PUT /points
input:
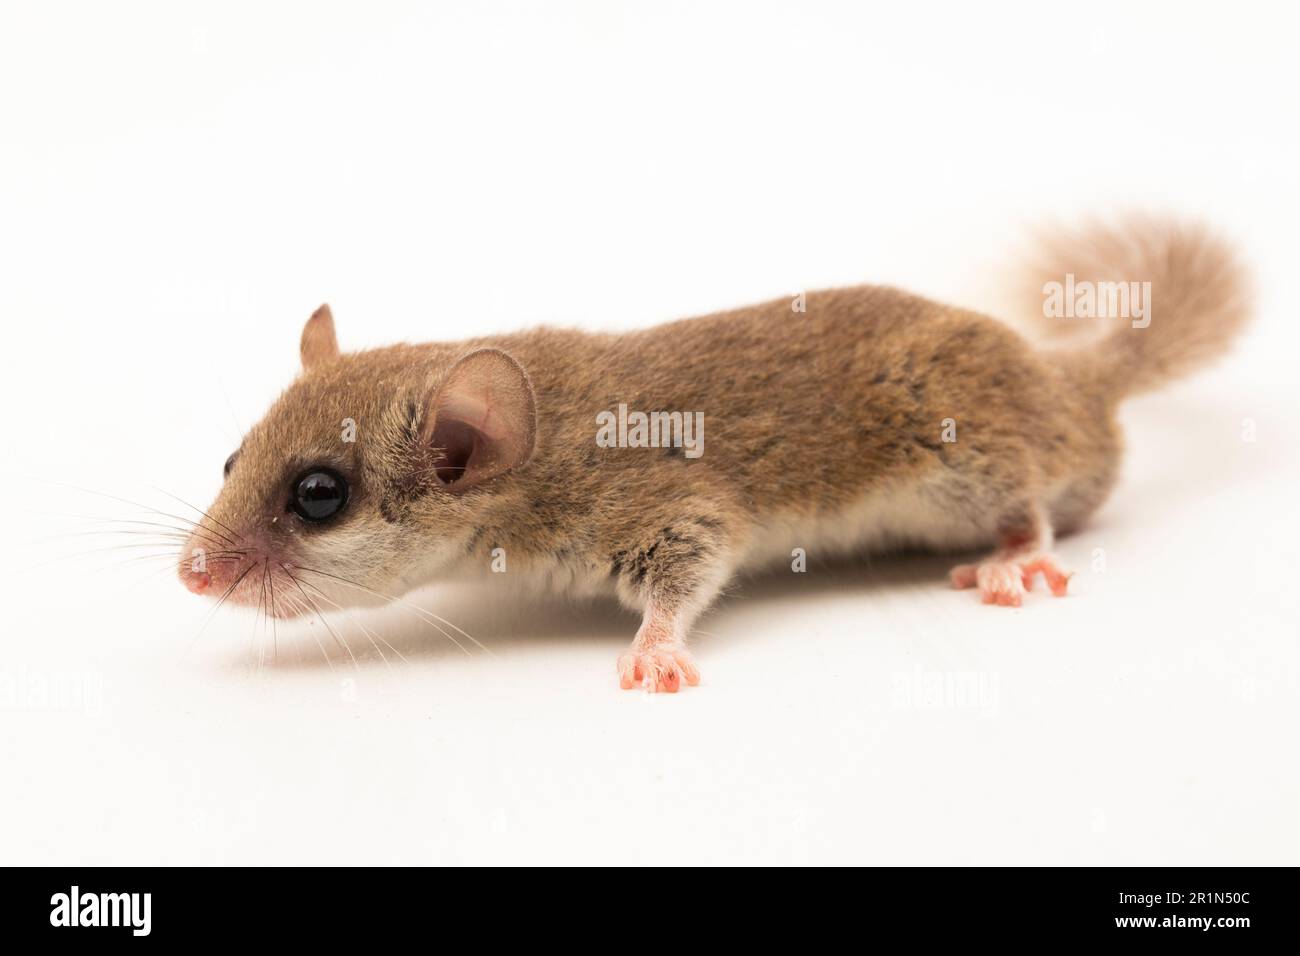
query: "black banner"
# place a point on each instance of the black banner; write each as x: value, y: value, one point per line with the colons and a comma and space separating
x: 138, y: 907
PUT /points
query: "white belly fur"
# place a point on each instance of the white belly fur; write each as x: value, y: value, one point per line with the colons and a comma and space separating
x: 912, y: 516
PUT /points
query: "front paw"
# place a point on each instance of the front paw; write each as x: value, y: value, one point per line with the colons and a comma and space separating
x: 661, y: 667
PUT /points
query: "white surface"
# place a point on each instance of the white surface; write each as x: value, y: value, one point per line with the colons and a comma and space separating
x: 179, y: 190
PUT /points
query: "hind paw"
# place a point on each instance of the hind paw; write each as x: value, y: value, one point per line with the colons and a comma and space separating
x: 1004, y: 580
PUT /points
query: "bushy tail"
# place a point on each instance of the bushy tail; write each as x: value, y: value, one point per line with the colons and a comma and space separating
x: 1197, y: 300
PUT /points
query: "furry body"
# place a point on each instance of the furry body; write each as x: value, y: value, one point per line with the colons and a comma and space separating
x: 872, y: 420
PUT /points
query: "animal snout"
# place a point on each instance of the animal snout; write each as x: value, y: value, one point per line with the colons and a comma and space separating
x: 196, y: 580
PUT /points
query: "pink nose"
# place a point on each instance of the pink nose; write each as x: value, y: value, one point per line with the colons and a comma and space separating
x: 196, y: 581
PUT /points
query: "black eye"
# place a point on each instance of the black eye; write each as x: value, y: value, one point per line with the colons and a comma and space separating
x: 319, y: 494
x: 230, y: 463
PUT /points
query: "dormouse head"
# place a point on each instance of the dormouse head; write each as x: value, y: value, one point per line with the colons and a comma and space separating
x: 368, y: 475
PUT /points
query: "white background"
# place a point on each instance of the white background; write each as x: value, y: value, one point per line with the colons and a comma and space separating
x: 180, y: 185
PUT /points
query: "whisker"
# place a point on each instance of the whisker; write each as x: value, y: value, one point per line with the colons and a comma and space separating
x: 216, y: 607
x: 365, y: 630
x: 169, y: 536
x: 301, y: 607
x: 128, y: 501
x: 261, y: 610
x: 134, y: 546
x: 169, y: 554
x: 198, y: 509
x: 428, y: 616
x: 275, y: 630
x: 187, y: 526
x: 181, y: 533
x: 343, y: 644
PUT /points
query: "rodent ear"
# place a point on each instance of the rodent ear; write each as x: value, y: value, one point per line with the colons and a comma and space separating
x: 319, y: 344
x: 482, y: 419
